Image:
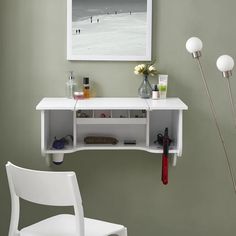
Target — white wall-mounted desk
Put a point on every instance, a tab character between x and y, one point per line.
126	118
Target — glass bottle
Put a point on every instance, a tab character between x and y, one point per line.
145	89
155	92
86	89
70	85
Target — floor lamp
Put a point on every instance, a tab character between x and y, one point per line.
194	46
225	64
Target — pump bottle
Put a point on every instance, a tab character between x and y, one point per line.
70	85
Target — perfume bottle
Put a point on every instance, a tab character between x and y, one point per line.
86	89
70	85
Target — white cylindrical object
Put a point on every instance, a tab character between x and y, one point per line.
225	63
57	158
194	44
155	95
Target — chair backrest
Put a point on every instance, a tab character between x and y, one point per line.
44	187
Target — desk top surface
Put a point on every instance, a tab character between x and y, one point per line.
99	103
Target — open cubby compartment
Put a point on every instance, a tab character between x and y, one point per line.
120	113
84	113
161	119
102	114
119	131
137	113
58	123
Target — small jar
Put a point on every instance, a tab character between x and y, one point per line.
78	95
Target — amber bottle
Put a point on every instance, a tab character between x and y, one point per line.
86	89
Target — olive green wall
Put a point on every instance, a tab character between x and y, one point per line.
124	186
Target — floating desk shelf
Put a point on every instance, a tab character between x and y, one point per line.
122	118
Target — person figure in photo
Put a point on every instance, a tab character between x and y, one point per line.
98	20
79	31
91	19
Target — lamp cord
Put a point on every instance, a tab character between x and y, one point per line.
217	125
231	101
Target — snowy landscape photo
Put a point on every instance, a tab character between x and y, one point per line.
110	29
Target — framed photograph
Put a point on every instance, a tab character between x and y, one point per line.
109	30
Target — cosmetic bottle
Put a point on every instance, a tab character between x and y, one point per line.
155	92
163	82
70	85
86	89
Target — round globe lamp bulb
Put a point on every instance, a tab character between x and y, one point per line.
225	63
194	44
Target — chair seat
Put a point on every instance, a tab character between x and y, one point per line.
64	225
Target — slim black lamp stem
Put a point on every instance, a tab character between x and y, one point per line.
217	124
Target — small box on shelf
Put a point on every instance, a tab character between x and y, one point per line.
119	113
138	113
102	114
84	113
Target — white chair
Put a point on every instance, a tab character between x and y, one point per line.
54	189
